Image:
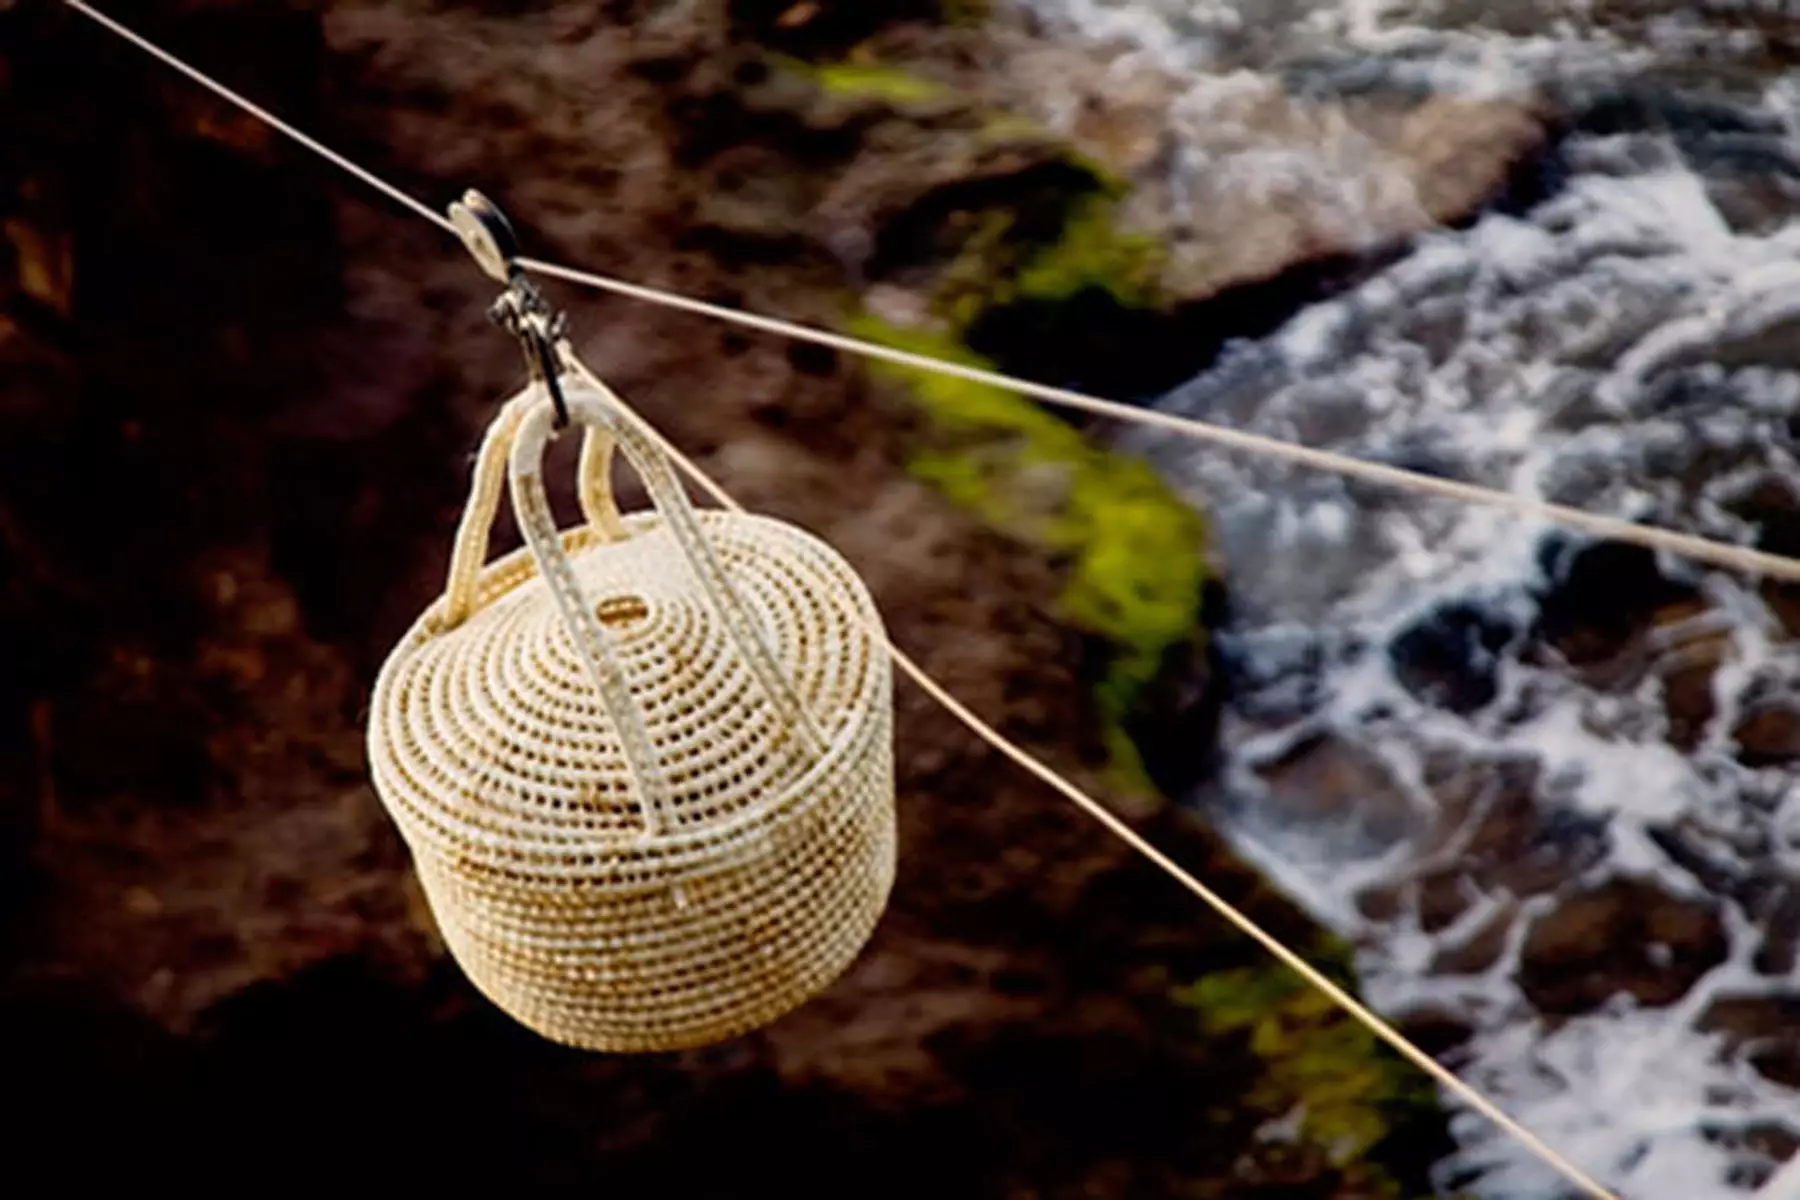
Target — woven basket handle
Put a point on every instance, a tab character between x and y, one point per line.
599	412
470	553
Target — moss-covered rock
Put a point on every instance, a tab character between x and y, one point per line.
874	81
1331	1091
1089	254
1135	552
915	185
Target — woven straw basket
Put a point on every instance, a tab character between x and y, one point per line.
645	766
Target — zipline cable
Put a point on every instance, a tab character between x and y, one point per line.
1719	554
265	116
1739	558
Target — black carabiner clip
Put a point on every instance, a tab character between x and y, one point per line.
521	310
547	372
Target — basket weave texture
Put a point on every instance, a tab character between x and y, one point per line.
644	766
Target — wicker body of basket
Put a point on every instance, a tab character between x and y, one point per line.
644	767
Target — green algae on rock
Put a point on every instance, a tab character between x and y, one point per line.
877	82
1089	254
1136	552
1333	1089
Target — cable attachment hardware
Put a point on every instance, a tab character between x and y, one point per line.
521	309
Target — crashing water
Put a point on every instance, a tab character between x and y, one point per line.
1630	345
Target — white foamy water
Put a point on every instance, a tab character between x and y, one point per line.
1631	346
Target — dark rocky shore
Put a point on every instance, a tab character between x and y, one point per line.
238	395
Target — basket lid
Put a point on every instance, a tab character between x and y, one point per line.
638	688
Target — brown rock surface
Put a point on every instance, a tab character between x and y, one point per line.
1493	834
1769	736
1327	779
1764	1029
1624	937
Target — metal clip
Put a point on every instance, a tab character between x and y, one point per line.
521	309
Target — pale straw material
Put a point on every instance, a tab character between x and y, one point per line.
645	766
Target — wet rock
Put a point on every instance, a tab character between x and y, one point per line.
1378	171
1436	899
1627	937
912	186
1759	1148
1504	836
883	169
1764	1029
1465	155
1599	596
1436	1030
1489	814
947	170
1472	789
1779	916
1444	896
1480	949
1769	737
1754	205
1755	342
1332	782
1771	1139
1687	689
1126	126
913	201
1676	647
1664	106
1693	848
1772	504
1451	658
1611	614
1383	902
1357	171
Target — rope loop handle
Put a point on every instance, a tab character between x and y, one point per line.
470	554
515	444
